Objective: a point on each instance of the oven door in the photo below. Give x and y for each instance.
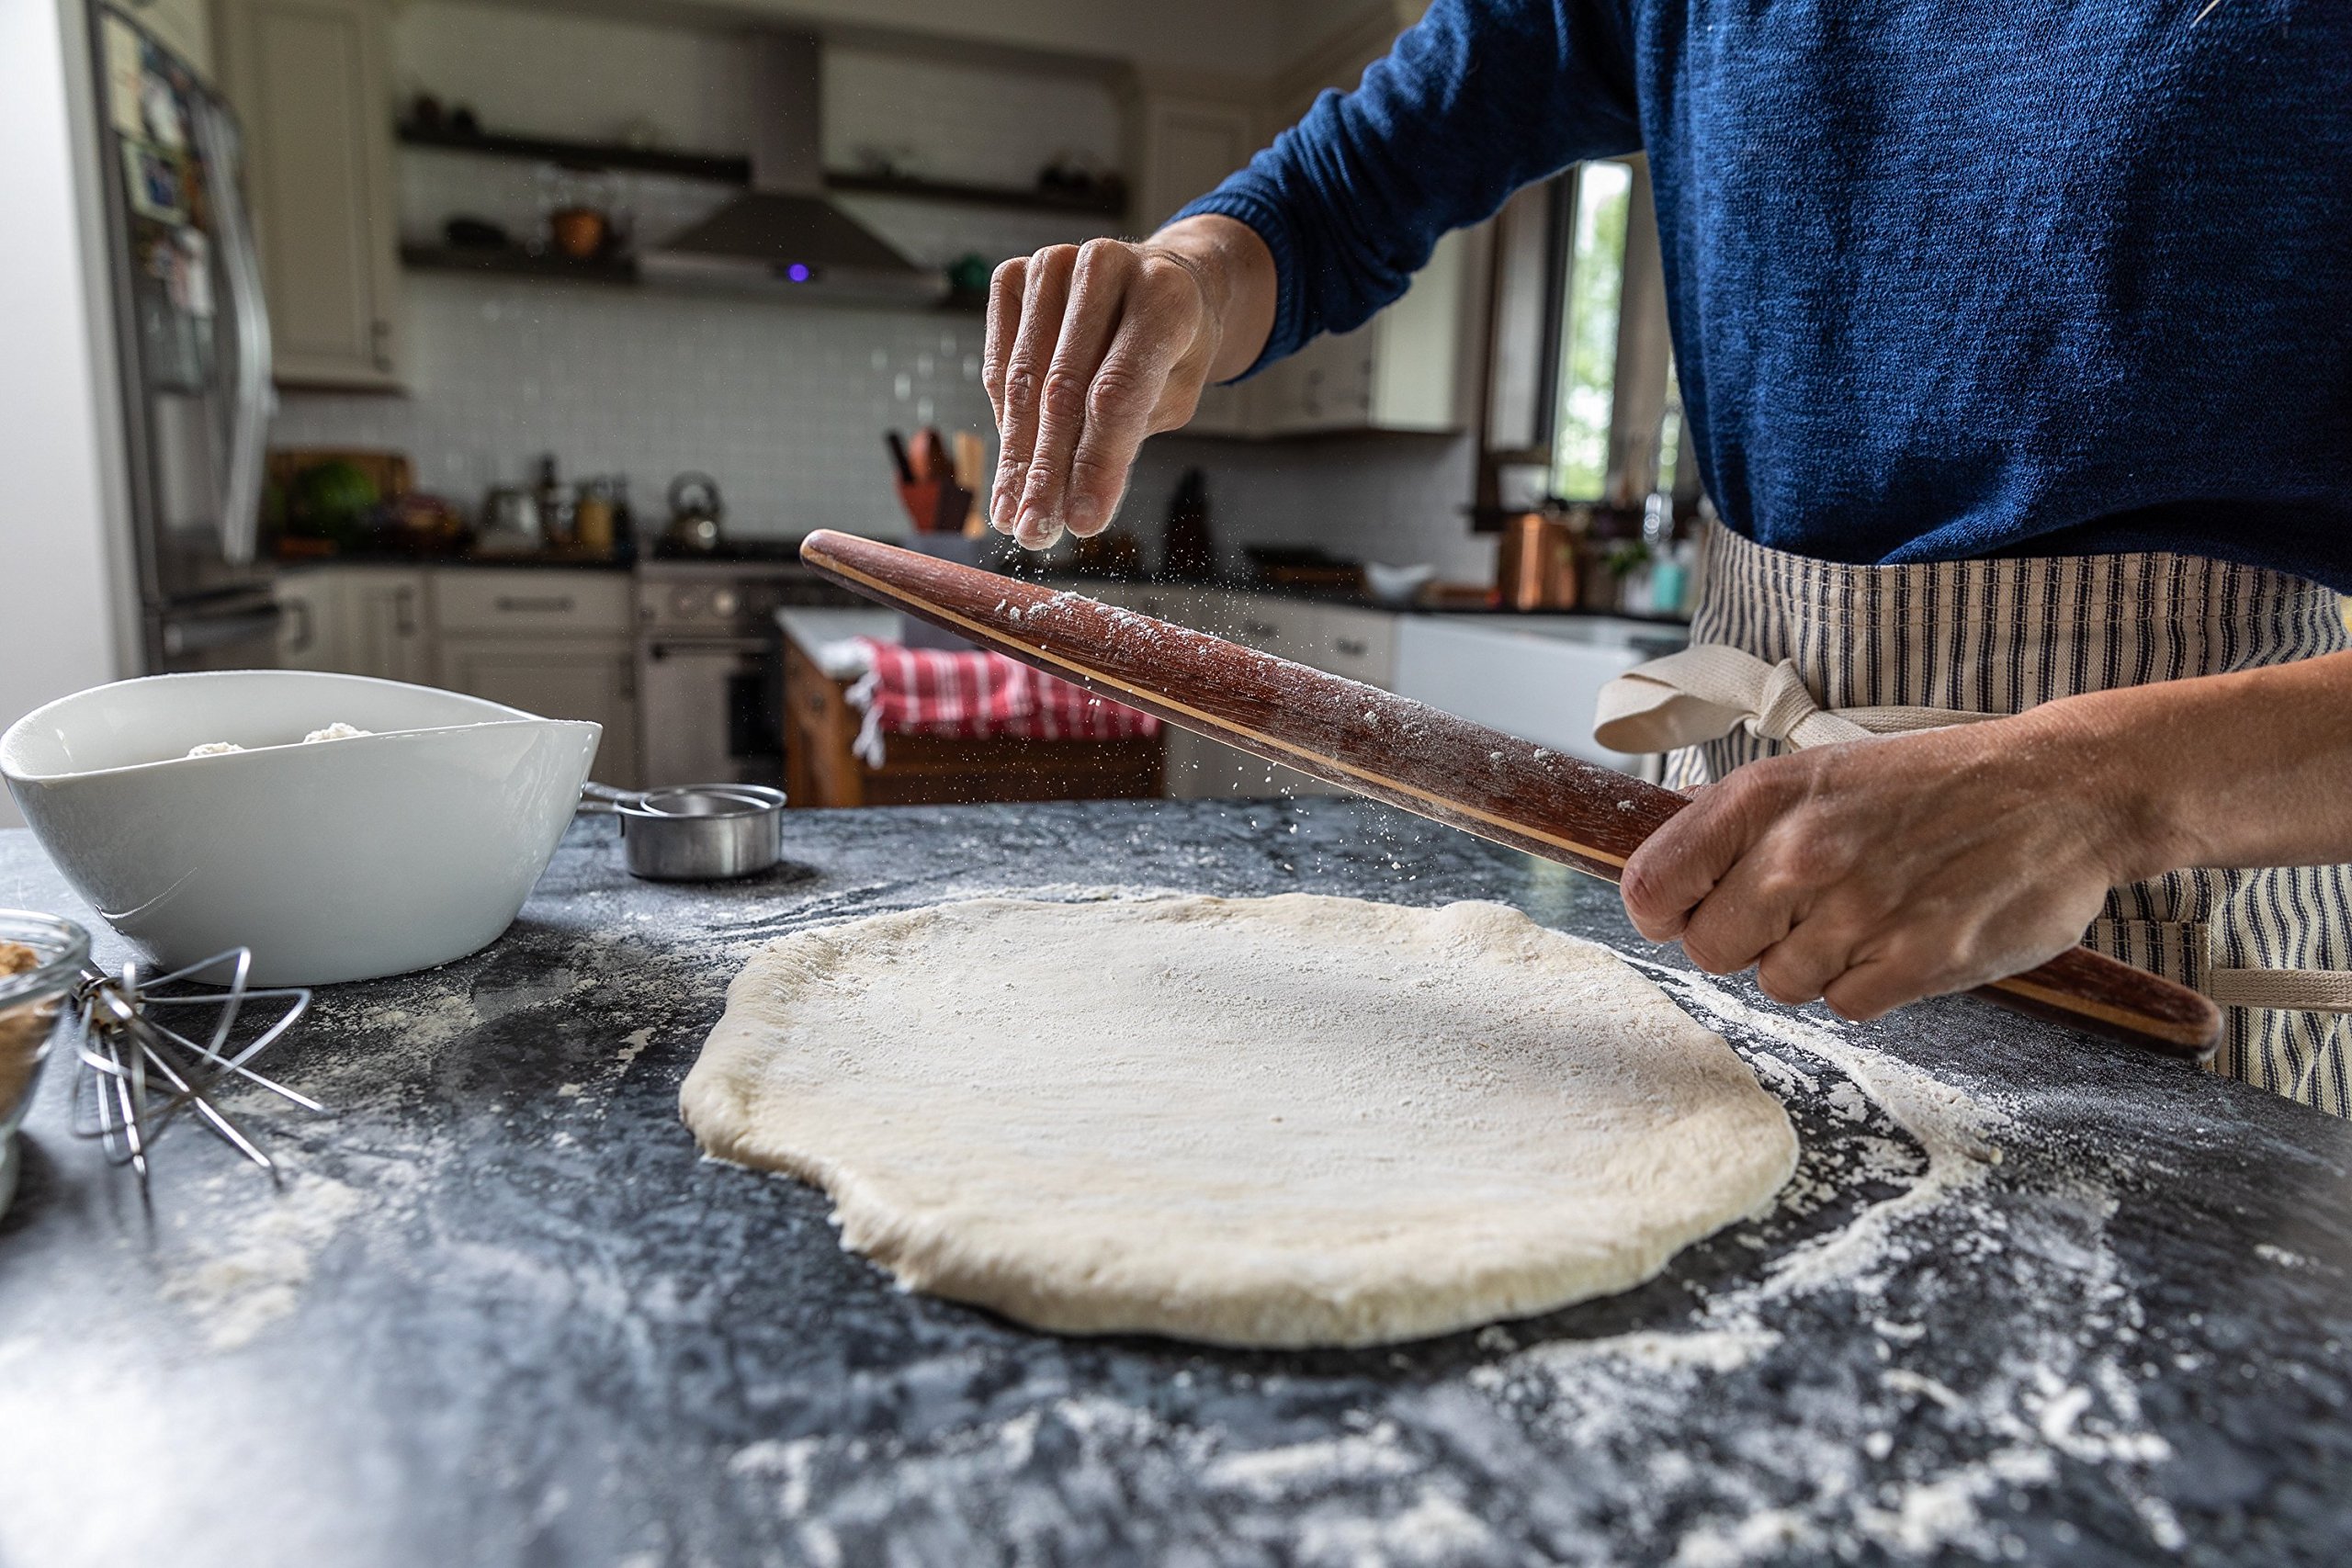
(711, 711)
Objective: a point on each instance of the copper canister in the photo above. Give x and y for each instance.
(1536, 567)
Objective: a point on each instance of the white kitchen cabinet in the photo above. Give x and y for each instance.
(357, 620)
(1344, 640)
(514, 602)
(311, 84)
(310, 620)
(1191, 140)
(557, 677)
(383, 617)
(1403, 370)
(553, 642)
(1538, 676)
(1359, 644)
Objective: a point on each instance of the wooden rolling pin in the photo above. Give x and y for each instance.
(1411, 755)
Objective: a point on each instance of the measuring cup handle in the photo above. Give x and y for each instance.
(603, 800)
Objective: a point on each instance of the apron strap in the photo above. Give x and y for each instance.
(2289, 990)
(1710, 689)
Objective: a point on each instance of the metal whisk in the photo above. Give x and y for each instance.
(143, 1073)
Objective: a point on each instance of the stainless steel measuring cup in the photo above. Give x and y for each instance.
(695, 832)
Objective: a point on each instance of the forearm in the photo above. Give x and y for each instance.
(1475, 100)
(1235, 272)
(2248, 769)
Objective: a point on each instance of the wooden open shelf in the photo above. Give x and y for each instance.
(617, 271)
(1091, 204)
(718, 167)
(725, 168)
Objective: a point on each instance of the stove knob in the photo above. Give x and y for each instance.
(685, 603)
(723, 602)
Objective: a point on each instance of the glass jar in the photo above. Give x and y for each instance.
(40, 961)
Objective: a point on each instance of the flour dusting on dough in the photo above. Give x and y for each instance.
(1336, 1122)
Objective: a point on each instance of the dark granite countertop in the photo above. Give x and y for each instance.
(2028, 1297)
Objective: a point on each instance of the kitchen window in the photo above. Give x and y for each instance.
(1591, 289)
(1582, 402)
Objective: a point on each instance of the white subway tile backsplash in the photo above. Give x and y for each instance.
(785, 404)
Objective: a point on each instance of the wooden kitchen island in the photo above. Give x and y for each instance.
(2028, 1297)
(821, 768)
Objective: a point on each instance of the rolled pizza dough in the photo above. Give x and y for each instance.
(1269, 1121)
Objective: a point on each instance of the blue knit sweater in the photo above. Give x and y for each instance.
(1948, 278)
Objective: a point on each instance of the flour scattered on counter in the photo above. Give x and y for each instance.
(252, 1273)
(1272, 1473)
(1434, 1528)
(1918, 1466)
(1708, 1350)
(428, 1027)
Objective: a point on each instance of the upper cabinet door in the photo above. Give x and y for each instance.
(1190, 143)
(310, 83)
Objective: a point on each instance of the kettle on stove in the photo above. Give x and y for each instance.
(694, 511)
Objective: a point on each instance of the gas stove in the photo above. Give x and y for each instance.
(710, 667)
(709, 596)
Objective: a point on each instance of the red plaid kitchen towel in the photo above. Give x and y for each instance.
(974, 694)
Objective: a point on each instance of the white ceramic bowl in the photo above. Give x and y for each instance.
(1396, 585)
(341, 860)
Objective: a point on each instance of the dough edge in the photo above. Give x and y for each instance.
(923, 1255)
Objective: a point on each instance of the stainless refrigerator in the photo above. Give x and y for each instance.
(192, 337)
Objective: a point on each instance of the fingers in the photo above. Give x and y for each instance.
(1680, 864)
(1799, 967)
(1877, 985)
(1045, 295)
(1119, 414)
(1074, 384)
(1005, 286)
(1752, 908)
(1090, 350)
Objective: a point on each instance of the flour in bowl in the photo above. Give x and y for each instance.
(336, 731)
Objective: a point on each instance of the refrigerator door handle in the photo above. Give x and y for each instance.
(254, 401)
(203, 634)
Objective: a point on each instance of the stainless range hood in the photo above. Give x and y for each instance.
(782, 236)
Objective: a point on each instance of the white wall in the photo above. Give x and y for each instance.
(59, 624)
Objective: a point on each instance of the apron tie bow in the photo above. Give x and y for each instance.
(1710, 689)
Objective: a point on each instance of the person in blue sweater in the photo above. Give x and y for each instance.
(2016, 347)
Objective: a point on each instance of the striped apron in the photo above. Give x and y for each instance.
(1789, 651)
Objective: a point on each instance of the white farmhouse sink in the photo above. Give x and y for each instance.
(1538, 676)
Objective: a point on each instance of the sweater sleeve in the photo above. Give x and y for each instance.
(1477, 99)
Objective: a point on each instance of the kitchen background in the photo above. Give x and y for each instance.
(462, 219)
(784, 406)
